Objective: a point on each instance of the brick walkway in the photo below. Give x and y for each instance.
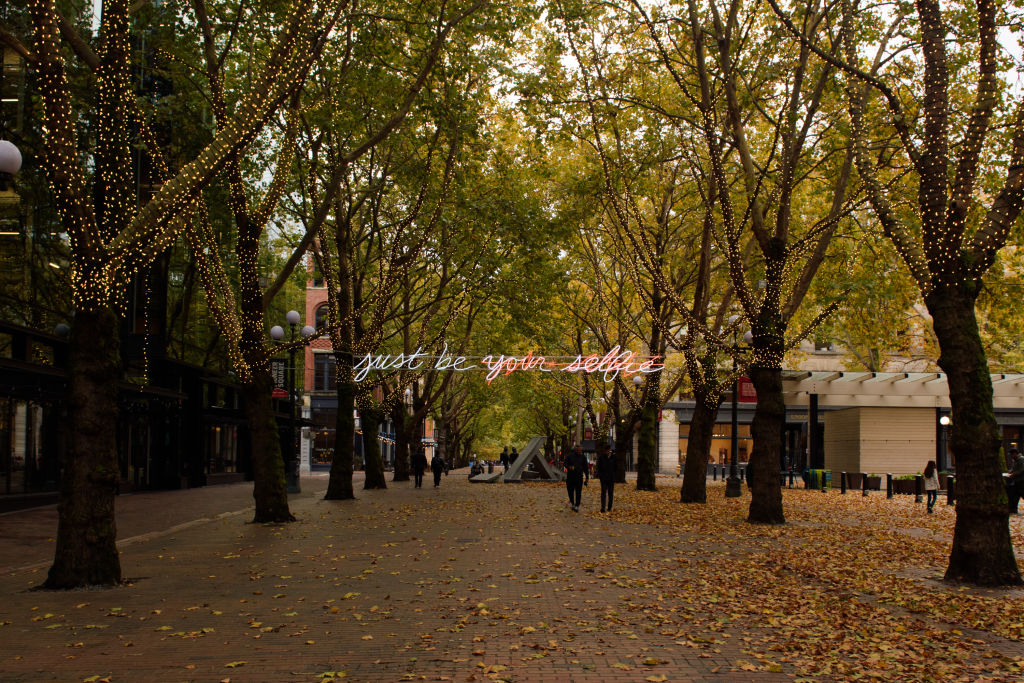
(464, 582)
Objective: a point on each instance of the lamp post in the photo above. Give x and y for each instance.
(409, 411)
(637, 383)
(291, 457)
(944, 422)
(733, 489)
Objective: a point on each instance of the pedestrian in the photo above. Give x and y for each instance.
(931, 484)
(513, 456)
(606, 475)
(437, 465)
(1015, 481)
(419, 465)
(577, 475)
(504, 458)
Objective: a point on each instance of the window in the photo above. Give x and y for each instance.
(321, 317)
(323, 372)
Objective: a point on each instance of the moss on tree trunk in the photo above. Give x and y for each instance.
(86, 550)
(982, 550)
(647, 446)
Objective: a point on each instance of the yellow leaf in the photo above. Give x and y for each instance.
(234, 665)
(657, 679)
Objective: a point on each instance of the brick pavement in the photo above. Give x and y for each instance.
(464, 582)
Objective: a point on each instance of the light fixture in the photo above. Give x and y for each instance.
(10, 158)
(945, 421)
(277, 333)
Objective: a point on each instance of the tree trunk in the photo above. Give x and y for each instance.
(339, 486)
(86, 550)
(371, 419)
(765, 464)
(698, 446)
(982, 549)
(403, 441)
(647, 447)
(269, 488)
(623, 444)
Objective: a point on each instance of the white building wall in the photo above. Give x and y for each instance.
(668, 443)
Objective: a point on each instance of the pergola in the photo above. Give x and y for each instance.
(889, 389)
(886, 421)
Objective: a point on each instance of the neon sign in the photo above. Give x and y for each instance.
(609, 366)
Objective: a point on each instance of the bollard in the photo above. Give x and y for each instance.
(824, 482)
(790, 477)
(950, 492)
(919, 488)
(714, 473)
(842, 483)
(888, 485)
(864, 484)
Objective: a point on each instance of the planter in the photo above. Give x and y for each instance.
(906, 486)
(875, 483)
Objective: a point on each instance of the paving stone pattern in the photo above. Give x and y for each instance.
(460, 582)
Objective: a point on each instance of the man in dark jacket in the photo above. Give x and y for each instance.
(437, 466)
(606, 474)
(576, 469)
(504, 458)
(419, 465)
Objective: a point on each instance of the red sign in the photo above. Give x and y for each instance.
(279, 393)
(746, 393)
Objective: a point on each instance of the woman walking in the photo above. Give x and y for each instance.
(931, 484)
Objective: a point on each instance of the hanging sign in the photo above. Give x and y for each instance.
(608, 366)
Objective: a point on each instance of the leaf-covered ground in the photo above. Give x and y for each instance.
(850, 587)
(504, 582)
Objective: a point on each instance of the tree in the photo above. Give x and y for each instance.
(112, 236)
(966, 178)
(769, 151)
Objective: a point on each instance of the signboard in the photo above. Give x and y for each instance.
(278, 370)
(746, 393)
(278, 393)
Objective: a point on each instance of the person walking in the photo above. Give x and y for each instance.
(512, 457)
(504, 458)
(577, 475)
(606, 475)
(931, 484)
(1015, 481)
(437, 466)
(419, 465)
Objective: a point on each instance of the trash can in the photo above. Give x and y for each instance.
(815, 478)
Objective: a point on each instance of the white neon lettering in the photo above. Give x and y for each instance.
(612, 364)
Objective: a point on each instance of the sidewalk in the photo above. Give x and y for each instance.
(463, 582)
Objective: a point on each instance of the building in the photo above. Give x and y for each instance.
(321, 400)
(872, 422)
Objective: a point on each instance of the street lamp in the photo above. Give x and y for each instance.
(291, 458)
(941, 460)
(733, 489)
(637, 383)
(10, 163)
